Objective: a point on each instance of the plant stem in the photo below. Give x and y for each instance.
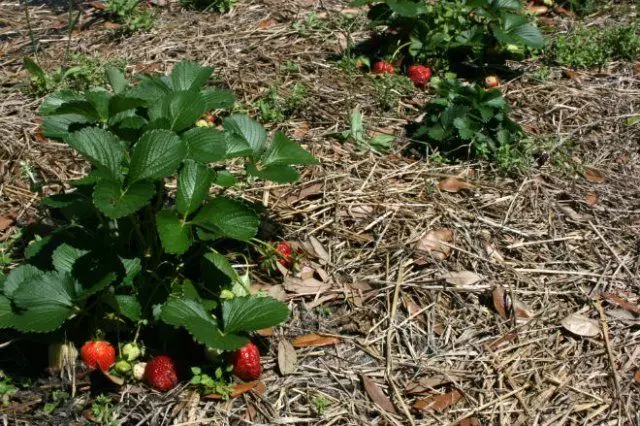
(32, 36)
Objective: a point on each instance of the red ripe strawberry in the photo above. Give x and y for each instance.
(246, 362)
(161, 373)
(419, 74)
(383, 67)
(285, 252)
(98, 354)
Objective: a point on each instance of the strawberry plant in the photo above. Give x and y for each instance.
(144, 243)
(469, 121)
(477, 29)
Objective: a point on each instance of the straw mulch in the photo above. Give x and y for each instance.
(471, 331)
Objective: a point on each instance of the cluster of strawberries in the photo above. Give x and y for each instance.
(161, 372)
(418, 74)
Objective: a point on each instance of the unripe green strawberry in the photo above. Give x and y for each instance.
(131, 351)
(123, 366)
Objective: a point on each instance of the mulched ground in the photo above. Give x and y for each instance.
(473, 329)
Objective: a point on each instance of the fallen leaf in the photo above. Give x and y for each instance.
(118, 381)
(314, 340)
(432, 241)
(594, 176)
(240, 389)
(505, 307)
(637, 376)
(376, 394)
(305, 286)
(591, 199)
(493, 253)
(581, 325)
(342, 42)
(502, 340)
(97, 5)
(109, 24)
(265, 332)
(439, 402)
(320, 250)
(612, 298)
(427, 384)
(570, 74)
(5, 222)
(469, 421)
(350, 11)
(453, 184)
(301, 130)
(562, 11)
(538, 10)
(621, 314)
(462, 279)
(266, 23)
(287, 358)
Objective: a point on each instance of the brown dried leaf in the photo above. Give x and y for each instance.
(538, 10)
(432, 241)
(320, 250)
(453, 184)
(301, 130)
(97, 5)
(462, 279)
(581, 325)
(287, 358)
(493, 253)
(499, 302)
(591, 199)
(470, 421)
(265, 332)
(305, 286)
(266, 23)
(118, 381)
(241, 389)
(637, 376)
(376, 394)
(427, 384)
(612, 298)
(5, 222)
(314, 340)
(570, 74)
(594, 176)
(439, 402)
(109, 24)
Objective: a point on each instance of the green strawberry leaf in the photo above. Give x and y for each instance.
(218, 98)
(175, 235)
(7, 316)
(223, 265)
(59, 126)
(127, 306)
(99, 98)
(225, 179)
(252, 313)
(188, 75)
(228, 218)
(17, 276)
(55, 100)
(100, 147)
(205, 144)
(191, 315)
(285, 152)
(116, 79)
(183, 109)
(157, 154)
(115, 202)
(248, 129)
(47, 301)
(194, 182)
(64, 256)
